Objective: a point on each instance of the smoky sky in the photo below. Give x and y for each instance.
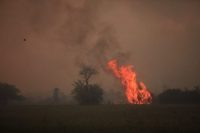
(43, 43)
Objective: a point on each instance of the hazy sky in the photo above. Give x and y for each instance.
(161, 39)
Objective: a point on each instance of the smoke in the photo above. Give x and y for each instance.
(159, 38)
(59, 36)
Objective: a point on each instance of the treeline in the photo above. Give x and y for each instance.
(89, 95)
(179, 96)
(84, 91)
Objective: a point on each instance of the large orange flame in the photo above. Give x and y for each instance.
(136, 92)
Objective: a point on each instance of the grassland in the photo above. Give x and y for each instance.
(99, 119)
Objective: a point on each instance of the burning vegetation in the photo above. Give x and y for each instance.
(136, 92)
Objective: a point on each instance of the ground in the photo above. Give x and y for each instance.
(100, 119)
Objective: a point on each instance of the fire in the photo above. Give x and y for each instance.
(136, 92)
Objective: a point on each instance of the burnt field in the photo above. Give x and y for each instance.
(98, 119)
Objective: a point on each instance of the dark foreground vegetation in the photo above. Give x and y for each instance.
(99, 119)
(180, 96)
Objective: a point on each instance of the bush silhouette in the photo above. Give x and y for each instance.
(8, 93)
(83, 91)
(180, 96)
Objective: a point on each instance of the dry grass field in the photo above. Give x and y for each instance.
(100, 119)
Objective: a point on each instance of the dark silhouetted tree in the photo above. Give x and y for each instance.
(9, 93)
(56, 94)
(83, 91)
(87, 72)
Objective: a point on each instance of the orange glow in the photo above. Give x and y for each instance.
(136, 92)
